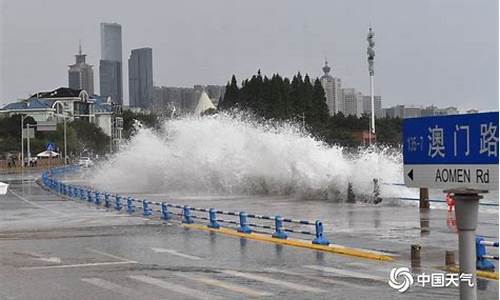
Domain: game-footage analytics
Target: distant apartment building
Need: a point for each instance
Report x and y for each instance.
(402, 111)
(367, 106)
(140, 76)
(81, 74)
(353, 102)
(110, 66)
(333, 92)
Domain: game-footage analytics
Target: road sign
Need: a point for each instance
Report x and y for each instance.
(46, 126)
(29, 132)
(458, 151)
(50, 147)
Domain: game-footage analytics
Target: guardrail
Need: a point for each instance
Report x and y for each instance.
(165, 210)
(482, 262)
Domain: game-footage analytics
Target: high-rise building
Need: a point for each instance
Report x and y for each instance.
(81, 74)
(110, 67)
(332, 88)
(110, 74)
(353, 102)
(367, 106)
(140, 77)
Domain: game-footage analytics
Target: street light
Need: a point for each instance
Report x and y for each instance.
(65, 145)
(22, 139)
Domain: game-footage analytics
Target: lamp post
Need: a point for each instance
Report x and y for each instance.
(65, 145)
(371, 59)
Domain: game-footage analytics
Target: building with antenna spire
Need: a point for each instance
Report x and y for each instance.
(333, 93)
(81, 74)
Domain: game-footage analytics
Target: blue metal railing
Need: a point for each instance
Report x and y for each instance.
(165, 209)
(482, 262)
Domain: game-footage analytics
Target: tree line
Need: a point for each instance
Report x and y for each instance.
(302, 100)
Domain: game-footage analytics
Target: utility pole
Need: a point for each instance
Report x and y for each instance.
(28, 145)
(65, 146)
(371, 60)
(22, 141)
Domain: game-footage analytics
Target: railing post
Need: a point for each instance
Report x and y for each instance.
(481, 262)
(146, 210)
(243, 223)
(279, 233)
(164, 211)
(213, 219)
(97, 199)
(130, 205)
(186, 215)
(106, 200)
(320, 240)
(118, 202)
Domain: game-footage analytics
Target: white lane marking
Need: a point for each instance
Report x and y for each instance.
(54, 260)
(110, 255)
(113, 287)
(37, 256)
(36, 205)
(173, 252)
(265, 279)
(228, 286)
(347, 273)
(192, 293)
(316, 278)
(80, 265)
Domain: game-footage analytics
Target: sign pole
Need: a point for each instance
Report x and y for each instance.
(22, 142)
(466, 212)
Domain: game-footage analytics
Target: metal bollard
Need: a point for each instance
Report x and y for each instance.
(481, 262)
(279, 233)
(146, 210)
(70, 191)
(89, 196)
(106, 200)
(118, 202)
(320, 239)
(97, 199)
(130, 205)
(82, 196)
(186, 214)
(415, 256)
(213, 219)
(243, 223)
(164, 211)
(449, 258)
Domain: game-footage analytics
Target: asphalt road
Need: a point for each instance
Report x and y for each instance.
(53, 248)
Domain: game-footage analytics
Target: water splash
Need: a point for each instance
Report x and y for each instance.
(228, 154)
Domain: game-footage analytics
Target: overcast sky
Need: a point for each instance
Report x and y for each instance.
(442, 52)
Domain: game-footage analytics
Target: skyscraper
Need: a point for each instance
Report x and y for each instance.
(140, 77)
(110, 67)
(81, 74)
(332, 88)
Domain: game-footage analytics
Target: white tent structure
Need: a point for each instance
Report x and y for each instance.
(204, 104)
(47, 153)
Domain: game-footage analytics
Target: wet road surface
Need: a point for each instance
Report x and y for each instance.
(52, 248)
